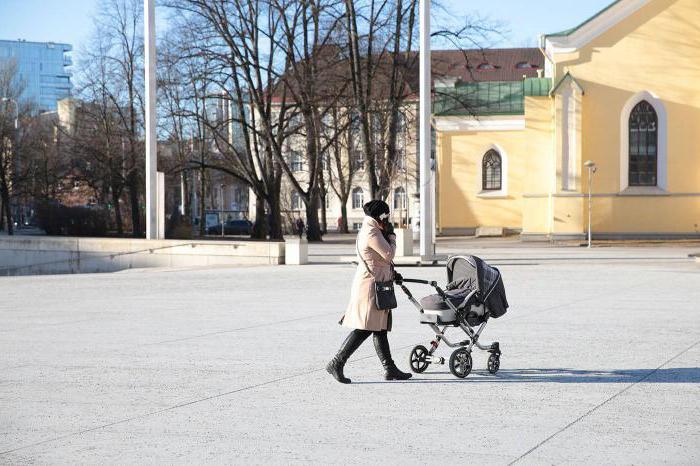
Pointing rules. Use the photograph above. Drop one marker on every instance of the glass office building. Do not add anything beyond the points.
(43, 67)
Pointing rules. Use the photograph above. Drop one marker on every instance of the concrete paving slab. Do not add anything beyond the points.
(225, 365)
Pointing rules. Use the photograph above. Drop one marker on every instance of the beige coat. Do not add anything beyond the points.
(362, 310)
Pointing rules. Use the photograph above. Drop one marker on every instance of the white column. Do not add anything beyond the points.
(427, 217)
(151, 137)
(161, 204)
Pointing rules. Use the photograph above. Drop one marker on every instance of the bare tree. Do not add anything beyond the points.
(11, 112)
(119, 48)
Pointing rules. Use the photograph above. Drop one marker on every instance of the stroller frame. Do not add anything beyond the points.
(460, 361)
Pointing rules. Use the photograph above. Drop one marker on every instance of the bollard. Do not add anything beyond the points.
(296, 251)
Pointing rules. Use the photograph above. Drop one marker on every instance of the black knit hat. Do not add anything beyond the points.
(376, 208)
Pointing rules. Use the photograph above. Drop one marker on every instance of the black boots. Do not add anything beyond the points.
(381, 344)
(351, 343)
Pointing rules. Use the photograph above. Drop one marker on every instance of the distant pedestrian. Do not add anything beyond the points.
(299, 224)
(340, 224)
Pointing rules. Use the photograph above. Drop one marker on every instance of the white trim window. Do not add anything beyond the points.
(400, 158)
(643, 139)
(399, 198)
(358, 198)
(296, 201)
(297, 164)
(358, 159)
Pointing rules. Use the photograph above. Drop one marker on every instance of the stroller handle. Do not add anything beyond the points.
(423, 282)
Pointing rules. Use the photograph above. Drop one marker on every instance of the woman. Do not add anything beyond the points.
(376, 244)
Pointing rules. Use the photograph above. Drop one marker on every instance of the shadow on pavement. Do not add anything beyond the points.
(558, 375)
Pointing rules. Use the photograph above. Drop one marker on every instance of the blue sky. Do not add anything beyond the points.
(70, 20)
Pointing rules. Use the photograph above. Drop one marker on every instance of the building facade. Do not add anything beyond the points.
(43, 68)
(621, 90)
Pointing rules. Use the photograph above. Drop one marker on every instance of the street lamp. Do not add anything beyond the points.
(8, 99)
(222, 209)
(590, 165)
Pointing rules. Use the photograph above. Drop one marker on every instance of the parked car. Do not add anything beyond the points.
(232, 227)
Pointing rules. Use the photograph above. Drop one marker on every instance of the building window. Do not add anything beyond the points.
(491, 171)
(358, 159)
(643, 137)
(296, 201)
(400, 158)
(401, 122)
(355, 123)
(358, 198)
(297, 164)
(399, 198)
(356, 226)
(523, 65)
(486, 67)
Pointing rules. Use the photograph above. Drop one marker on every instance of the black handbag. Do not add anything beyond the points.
(384, 294)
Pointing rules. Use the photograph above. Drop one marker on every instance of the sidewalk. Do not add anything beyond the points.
(226, 365)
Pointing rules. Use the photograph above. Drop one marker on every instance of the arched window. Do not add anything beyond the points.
(296, 201)
(399, 198)
(491, 171)
(358, 198)
(643, 137)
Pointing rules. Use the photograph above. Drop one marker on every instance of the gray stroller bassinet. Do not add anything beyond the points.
(474, 293)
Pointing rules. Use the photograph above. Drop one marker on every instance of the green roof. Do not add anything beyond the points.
(570, 31)
(488, 97)
(537, 87)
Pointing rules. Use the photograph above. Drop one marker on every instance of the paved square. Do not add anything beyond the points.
(601, 353)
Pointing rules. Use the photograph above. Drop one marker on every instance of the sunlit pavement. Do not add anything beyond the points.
(601, 364)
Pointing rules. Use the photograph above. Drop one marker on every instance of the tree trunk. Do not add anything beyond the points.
(313, 228)
(117, 213)
(344, 217)
(134, 201)
(2, 217)
(202, 202)
(260, 226)
(324, 216)
(273, 203)
(5, 193)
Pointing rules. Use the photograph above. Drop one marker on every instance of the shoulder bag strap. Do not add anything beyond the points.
(357, 246)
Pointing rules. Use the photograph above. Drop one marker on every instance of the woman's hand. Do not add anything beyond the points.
(388, 229)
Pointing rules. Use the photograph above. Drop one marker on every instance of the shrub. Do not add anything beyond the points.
(57, 219)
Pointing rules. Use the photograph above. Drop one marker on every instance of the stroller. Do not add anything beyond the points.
(474, 292)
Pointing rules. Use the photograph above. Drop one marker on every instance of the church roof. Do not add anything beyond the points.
(567, 32)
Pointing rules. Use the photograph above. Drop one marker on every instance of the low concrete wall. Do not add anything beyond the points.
(28, 255)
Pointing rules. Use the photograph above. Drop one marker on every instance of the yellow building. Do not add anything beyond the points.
(622, 90)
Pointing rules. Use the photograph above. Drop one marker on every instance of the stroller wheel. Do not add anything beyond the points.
(461, 363)
(494, 363)
(418, 360)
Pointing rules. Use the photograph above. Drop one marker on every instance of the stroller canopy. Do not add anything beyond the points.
(472, 272)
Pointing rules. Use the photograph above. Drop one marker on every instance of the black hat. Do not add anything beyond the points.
(376, 208)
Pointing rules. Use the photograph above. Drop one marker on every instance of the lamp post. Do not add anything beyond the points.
(590, 165)
(427, 217)
(152, 212)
